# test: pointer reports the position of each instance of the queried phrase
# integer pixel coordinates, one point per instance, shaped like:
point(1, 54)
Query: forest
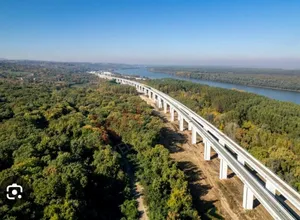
point(63, 132)
point(268, 129)
point(54, 73)
point(62, 143)
point(268, 78)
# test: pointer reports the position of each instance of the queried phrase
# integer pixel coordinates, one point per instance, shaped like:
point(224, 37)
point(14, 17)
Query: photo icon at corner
point(14, 191)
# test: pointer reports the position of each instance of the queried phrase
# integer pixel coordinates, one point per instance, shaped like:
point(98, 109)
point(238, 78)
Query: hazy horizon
point(255, 34)
point(220, 65)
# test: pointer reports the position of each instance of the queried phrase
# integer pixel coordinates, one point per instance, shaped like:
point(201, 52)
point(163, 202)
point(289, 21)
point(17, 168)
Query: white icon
point(14, 191)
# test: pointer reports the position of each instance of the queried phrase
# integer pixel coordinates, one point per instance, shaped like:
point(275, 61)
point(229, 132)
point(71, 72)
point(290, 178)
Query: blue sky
point(212, 32)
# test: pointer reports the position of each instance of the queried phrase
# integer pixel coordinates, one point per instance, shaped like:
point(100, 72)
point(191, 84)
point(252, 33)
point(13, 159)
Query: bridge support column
point(189, 125)
point(172, 113)
point(159, 102)
point(149, 94)
point(153, 97)
point(241, 160)
point(181, 128)
point(248, 198)
point(270, 187)
point(165, 107)
point(223, 169)
point(207, 149)
point(194, 135)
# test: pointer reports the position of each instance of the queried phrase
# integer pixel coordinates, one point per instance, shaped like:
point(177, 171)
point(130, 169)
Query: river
point(281, 95)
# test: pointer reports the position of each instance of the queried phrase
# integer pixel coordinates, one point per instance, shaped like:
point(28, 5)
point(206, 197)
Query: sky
point(257, 33)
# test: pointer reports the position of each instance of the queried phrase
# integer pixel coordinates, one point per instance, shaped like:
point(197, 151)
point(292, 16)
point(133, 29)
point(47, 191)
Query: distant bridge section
point(271, 191)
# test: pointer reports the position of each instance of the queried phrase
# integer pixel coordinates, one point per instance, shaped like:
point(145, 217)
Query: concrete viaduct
point(278, 198)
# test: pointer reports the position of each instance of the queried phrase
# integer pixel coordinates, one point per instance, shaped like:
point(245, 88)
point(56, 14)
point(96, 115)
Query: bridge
point(279, 199)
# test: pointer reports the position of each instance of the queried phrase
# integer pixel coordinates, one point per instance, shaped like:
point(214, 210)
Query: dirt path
point(209, 193)
point(136, 190)
point(140, 199)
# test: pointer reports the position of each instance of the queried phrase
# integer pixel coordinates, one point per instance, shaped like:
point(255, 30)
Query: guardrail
point(282, 187)
point(266, 198)
point(219, 146)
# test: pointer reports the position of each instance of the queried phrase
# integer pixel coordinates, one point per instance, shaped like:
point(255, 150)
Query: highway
point(218, 141)
point(264, 196)
point(286, 190)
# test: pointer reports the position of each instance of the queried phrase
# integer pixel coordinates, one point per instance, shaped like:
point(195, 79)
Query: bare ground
point(140, 199)
point(208, 191)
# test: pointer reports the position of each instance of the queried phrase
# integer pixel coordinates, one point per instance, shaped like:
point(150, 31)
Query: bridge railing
point(266, 198)
point(282, 187)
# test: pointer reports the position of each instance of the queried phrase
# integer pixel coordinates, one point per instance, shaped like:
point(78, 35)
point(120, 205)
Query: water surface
point(271, 93)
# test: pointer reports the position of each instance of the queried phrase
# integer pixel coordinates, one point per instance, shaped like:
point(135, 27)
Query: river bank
point(281, 95)
point(220, 81)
